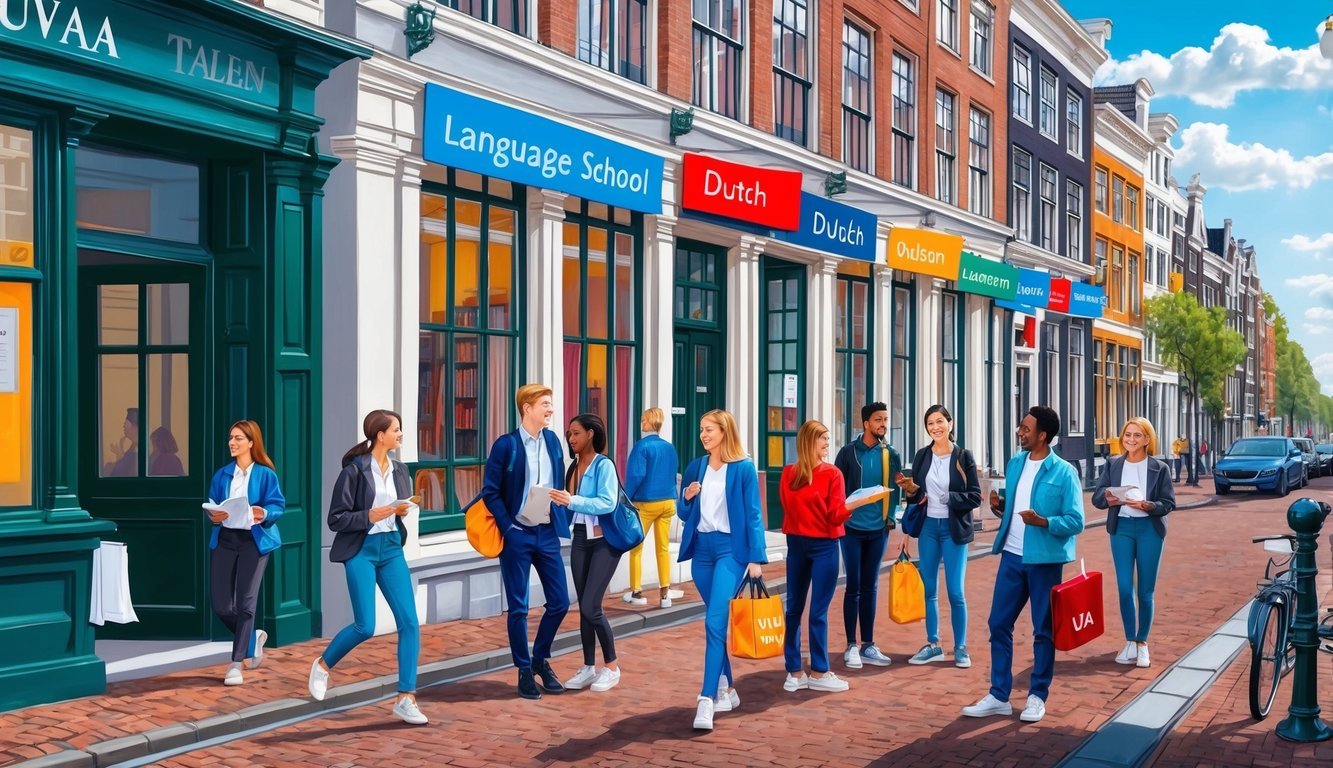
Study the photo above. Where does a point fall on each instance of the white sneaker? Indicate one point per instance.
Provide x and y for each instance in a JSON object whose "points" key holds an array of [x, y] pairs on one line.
{"points": [[675, 594], [852, 658], [828, 682], [703, 716], [319, 681], [1141, 658], [727, 698], [796, 683], [989, 705], [406, 710], [233, 675], [1034, 711], [666, 602], [253, 662], [1129, 654], [632, 600], [606, 680], [582, 678]]}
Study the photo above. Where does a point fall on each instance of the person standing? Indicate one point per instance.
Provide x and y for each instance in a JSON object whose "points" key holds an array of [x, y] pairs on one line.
{"points": [[1041, 514], [239, 553], [866, 462], [1136, 523], [370, 498], [530, 457], [944, 478], [592, 560], [650, 482], [1180, 451], [723, 533]]}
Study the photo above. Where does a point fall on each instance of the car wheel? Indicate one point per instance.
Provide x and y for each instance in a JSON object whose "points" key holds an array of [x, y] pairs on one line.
{"points": [[1282, 485], [1222, 490]]}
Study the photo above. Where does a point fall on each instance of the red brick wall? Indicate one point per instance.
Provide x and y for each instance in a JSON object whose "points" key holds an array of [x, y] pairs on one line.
{"points": [[674, 49], [557, 25]]}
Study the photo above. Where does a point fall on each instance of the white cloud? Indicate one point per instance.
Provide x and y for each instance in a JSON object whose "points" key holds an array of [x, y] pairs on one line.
{"points": [[1303, 243], [1323, 371], [1241, 59], [1318, 321], [1318, 286], [1206, 148]]}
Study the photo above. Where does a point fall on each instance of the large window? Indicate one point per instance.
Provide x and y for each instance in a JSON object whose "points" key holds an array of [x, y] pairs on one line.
{"points": [[1046, 218], [978, 163], [983, 23], [946, 27], [791, 69], [17, 201], [1074, 219], [856, 87], [1074, 123], [1021, 215], [902, 397], [1077, 400], [1047, 117], [1117, 374], [1050, 363], [946, 148], [1117, 199], [506, 14], [904, 121], [718, 56], [952, 321], [613, 35], [471, 249], [1099, 190], [1134, 285], [1132, 206], [852, 351], [601, 324], [1021, 88], [1116, 290]]}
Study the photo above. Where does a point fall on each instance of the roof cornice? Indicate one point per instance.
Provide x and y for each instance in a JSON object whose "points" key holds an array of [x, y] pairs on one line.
{"points": [[1048, 21]]}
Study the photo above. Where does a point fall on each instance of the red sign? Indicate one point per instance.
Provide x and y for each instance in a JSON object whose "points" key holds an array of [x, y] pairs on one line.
{"points": [[1059, 295], [758, 195]]}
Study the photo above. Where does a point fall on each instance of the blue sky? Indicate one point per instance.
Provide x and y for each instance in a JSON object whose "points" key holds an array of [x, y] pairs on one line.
{"points": [[1255, 104]]}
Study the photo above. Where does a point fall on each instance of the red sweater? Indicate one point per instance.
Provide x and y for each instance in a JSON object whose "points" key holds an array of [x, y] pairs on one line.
{"points": [[817, 510]]}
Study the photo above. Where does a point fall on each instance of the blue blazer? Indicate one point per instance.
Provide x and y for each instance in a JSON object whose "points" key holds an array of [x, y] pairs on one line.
{"points": [[743, 513], [504, 484], [264, 492], [650, 470]]}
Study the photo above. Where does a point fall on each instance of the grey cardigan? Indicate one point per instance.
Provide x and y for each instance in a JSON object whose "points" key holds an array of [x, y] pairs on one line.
{"points": [[349, 509], [1160, 492]]}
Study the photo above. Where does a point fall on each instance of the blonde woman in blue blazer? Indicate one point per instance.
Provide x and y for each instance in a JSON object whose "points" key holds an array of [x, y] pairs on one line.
{"points": [[238, 555], [723, 533]]}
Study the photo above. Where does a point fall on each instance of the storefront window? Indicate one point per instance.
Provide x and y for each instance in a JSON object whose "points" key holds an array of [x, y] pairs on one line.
{"points": [[135, 194], [469, 343], [16, 318], [600, 279], [1050, 352], [1076, 395], [852, 349], [903, 387], [951, 353]]}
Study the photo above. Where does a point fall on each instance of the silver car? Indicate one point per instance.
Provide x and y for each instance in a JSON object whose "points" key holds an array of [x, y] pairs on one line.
{"points": [[1309, 457]]}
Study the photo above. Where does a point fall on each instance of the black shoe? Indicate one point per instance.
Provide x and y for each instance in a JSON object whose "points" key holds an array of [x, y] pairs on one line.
{"points": [[527, 686], [550, 683]]}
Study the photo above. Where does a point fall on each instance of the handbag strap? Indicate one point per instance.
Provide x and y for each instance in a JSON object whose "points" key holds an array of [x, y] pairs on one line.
{"points": [[757, 588], [884, 464], [903, 555]]}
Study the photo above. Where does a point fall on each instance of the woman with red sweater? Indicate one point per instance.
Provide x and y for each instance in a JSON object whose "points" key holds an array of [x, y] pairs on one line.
{"points": [[814, 508]]}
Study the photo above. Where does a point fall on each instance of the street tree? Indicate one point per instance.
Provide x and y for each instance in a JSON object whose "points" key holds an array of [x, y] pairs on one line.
{"points": [[1298, 397]]}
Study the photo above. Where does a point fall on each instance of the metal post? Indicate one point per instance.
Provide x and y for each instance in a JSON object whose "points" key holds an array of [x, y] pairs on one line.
{"points": [[1302, 724]]}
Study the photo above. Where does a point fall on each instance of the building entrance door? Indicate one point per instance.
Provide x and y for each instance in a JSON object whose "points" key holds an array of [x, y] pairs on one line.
{"points": [[782, 373], [699, 357]]}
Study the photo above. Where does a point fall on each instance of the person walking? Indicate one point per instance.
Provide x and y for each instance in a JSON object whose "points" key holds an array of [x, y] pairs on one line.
{"points": [[1135, 489], [529, 458], [723, 534], [944, 478], [866, 462], [650, 482], [1041, 513], [371, 496], [1180, 449], [239, 552], [592, 560]]}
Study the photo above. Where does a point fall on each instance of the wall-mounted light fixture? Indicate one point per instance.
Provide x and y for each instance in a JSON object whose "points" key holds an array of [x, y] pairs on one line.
{"points": [[835, 183], [682, 122], [928, 219], [420, 28]]}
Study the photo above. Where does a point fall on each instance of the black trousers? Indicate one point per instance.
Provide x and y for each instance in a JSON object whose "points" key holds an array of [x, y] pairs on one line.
{"points": [[593, 564], [237, 570]]}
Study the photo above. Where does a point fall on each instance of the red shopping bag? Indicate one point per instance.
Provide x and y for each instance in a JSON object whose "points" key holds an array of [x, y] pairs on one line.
{"points": [[1076, 610]]}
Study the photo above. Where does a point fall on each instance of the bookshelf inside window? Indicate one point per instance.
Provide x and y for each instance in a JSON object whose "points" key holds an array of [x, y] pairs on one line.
{"points": [[467, 392]]}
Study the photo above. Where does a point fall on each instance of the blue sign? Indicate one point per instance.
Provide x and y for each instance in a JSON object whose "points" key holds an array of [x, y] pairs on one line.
{"points": [[481, 136], [834, 228], [1086, 300], [1034, 291]]}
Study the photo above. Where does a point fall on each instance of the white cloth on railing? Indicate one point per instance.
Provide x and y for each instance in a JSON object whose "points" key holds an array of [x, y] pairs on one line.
{"points": [[111, 585]]}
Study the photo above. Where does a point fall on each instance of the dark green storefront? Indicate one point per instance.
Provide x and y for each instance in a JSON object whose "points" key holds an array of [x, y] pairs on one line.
{"points": [[160, 228]]}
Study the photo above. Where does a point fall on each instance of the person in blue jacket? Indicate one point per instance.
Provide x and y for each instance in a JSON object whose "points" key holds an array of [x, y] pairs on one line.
{"points": [[1042, 512], [650, 482], [239, 552], [723, 533]]}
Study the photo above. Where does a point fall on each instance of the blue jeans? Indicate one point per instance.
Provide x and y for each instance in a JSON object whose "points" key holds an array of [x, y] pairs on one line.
{"points": [[717, 575], [527, 548], [1015, 584], [1136, 546], [862, 553], [936, 544], [381, 562], [810, 562]]}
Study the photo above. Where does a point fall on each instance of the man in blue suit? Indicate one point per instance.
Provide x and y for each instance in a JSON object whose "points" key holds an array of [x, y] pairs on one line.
{"points": [[530, 456]]}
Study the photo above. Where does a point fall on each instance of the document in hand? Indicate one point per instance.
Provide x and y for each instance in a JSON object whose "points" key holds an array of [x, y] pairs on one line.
{"points": [[867, 495], [1126, 492], [537, 509], [411, 501], [237, 509]]}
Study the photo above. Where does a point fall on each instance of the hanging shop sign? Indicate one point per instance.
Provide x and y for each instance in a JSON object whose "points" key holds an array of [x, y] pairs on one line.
{"points": [[1034, 291], [833, 227], [763, 196], [1086, 300], [1059, 298], [985, 277], [479, 135], [924, 252]]}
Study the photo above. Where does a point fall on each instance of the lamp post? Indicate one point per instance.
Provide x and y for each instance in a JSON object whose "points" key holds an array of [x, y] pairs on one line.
{"points": [[1326, 37]]}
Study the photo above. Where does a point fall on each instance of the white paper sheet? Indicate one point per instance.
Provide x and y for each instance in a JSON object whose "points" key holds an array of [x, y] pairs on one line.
{"points": [[537, 509], [237, 509]]}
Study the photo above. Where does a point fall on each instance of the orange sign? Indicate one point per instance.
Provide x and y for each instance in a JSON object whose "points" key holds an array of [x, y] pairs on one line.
{"points": [[1176, 281], [925, 252], [15, 253]]}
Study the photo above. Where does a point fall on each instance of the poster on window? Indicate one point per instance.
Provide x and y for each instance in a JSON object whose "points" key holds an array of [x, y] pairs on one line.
{"points": [[9, 350], [789, 390]]}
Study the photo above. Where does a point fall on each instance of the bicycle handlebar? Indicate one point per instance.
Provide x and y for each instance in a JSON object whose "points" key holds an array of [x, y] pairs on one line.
{"points": [[1274, 537]]}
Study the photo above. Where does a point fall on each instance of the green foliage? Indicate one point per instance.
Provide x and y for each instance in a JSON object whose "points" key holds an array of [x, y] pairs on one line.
{"points": [[1298, 396], [1196, 341]]}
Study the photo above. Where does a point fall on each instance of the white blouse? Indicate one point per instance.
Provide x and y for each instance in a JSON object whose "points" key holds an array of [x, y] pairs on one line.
{"points": [[713, 501]]}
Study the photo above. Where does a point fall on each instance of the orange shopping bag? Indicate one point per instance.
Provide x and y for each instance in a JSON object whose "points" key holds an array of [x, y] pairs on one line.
{"points": [[907, 592], [758, 628]]}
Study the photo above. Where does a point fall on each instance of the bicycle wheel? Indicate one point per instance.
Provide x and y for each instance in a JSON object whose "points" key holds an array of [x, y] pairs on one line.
{"points": [[1266, 659]]}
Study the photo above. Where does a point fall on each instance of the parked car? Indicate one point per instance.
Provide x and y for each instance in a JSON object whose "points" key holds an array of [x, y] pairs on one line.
{"points": [[1264, 463], [1325, 451], [1308, 456]]}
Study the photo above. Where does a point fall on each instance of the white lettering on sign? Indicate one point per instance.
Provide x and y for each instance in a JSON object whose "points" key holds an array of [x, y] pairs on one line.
{"points": [[1029, 290], [15, 15], [1083, 621], [737, 191], [503, 150], [973, 276], [216, 65], [919, 253], [849, 234], [604, 173]]}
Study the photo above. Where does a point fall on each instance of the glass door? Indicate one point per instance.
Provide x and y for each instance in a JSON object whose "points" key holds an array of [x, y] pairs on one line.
{"points": [[699, 356], [782, 354]]}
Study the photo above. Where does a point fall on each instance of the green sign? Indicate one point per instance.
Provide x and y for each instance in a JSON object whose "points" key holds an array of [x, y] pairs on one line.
{"points": [[141, 39], [987, 278]]}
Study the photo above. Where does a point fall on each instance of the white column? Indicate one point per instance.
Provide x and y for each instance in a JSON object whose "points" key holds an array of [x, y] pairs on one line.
{"points": [[743, 317], [409, 321], [659, 254], [975, 386], [881, 334], [822, 315], [546, 306]]}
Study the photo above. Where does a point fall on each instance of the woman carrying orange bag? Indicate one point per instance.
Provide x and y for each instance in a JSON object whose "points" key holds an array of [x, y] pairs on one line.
{"points": [[723, 533]]}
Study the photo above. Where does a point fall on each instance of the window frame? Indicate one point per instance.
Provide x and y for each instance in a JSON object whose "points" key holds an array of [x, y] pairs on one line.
{"points": [[1074, 219], [1074, 123], [489, 12], [614, 57], [1021, 87], [904, 131], [1048, 119], [981, 55], [1048, 234], [946, 158], [946, 24], [721, 44], [1101, 190], [784, 78], [845, 386], [1022, 195], [857, 123], [979, 162]]}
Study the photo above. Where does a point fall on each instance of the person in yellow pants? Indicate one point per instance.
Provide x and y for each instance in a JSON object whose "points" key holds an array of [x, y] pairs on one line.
{"points": [[650, 482]]}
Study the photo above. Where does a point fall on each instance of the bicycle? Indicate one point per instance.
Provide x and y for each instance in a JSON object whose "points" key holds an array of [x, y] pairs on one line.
{"points": [[1272, 616]]}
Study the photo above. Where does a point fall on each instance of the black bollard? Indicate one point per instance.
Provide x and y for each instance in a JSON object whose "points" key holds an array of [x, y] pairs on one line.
{"points": [[1302, 724]]}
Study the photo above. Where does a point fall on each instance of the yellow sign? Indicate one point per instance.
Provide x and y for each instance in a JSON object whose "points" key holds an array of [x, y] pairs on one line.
{"points": [[925, 252], [1176, 282], [15, 253]]}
